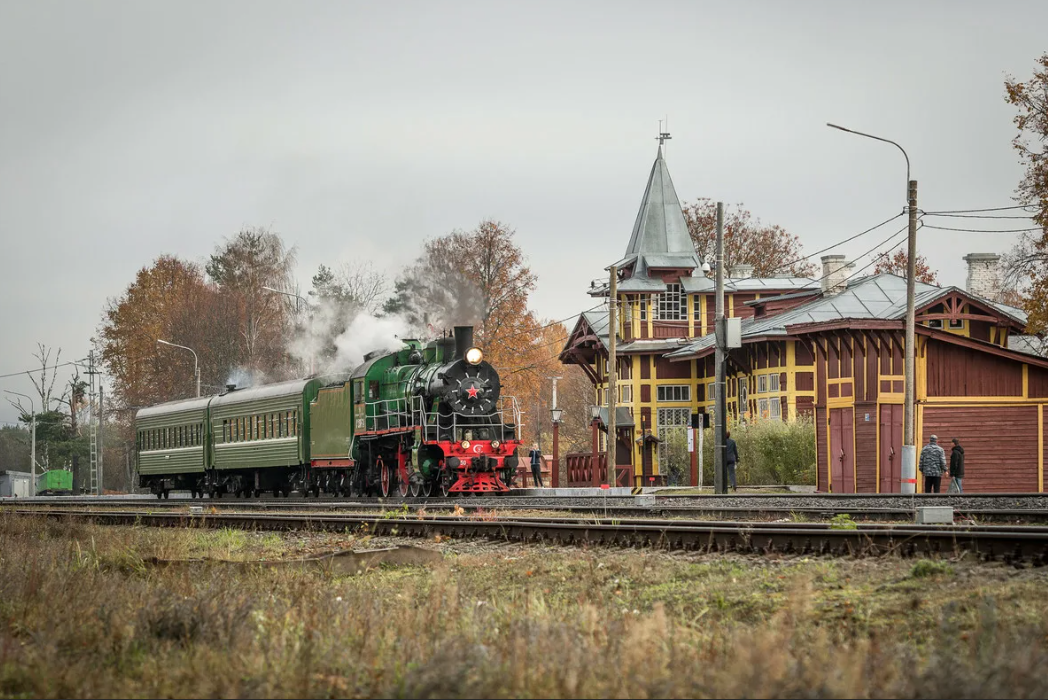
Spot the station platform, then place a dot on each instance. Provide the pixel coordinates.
(581, 492)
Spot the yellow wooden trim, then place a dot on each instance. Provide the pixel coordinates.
(960, 400)
(1026, 381)
(918, 438)
(999, 404)
(791, 379)
(690, 303)
(1040, 448)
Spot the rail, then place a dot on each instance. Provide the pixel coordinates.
(1014, 546)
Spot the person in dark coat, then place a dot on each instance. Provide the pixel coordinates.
(956, 467)
(932, 464)
(731, 459)
(536, 465)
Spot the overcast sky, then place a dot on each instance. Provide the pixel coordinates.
(359, 129)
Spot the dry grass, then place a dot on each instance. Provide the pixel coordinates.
(83, 614)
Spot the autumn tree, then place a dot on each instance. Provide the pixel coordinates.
(242, 268)
(57, 442)
(338, 295)
(169, 300)
(1028, 262)
(769, 248)
(896, 265)
(477, 278)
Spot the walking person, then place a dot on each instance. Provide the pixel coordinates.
(932, 465)
(731, 459)
(536, 465)
(956, 467)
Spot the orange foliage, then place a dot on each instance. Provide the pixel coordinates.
(770, 249)
(896, 265)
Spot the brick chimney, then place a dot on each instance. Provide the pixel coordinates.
(984, 277)
(835, 272)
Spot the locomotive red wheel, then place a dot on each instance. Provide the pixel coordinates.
(402, 485)
(384, 480)
(427, 488)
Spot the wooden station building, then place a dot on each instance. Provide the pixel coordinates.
(829, 348)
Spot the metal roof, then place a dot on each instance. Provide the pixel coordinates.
(623, 418)
(879, 297)
(295, 386)
(660, 225)
(1028, 345)
(197, 403)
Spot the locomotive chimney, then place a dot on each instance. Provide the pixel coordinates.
(463, 341)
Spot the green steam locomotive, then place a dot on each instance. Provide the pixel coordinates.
(427, 418)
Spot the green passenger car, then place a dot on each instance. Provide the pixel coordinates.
(54, 482)
(260, 436)
(173, 449)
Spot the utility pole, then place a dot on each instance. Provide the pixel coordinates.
(612, 374)
(101, 437)
(721, 405)
(909, 445)
(93, 427)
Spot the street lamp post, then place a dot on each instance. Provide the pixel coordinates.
(909, 447)
(196, 364)
(306, 302)
(32, 449)
(555, 414)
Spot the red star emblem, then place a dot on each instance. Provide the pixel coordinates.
(472, 392)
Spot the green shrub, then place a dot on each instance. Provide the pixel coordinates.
(770, 452)
(930, 567)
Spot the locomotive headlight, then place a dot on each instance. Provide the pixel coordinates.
(495, 444)
(474, 356)
(465, 444)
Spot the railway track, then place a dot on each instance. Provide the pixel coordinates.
(1006, 543)
(618, 508)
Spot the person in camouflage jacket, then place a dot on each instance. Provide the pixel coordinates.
(932, 465)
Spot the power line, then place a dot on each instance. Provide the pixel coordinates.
(979, 216)
(871, 250)
(984, 230)
(36, 369)
(820, 252)
(971, 211)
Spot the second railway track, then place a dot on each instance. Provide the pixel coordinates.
(1027, 545)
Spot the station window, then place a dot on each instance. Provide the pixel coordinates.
(762, 408)
(643, 298)
(956, 323)
(776, 408)
(676, 392)
(626, 393)
(670, 307)
(773, 382)
(935, 323)
(762, 384)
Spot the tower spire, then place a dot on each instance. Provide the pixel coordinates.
(663, 135)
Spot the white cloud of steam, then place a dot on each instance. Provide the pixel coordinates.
(364, 334)
(244, 377)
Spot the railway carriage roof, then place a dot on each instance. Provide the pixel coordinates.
(194, 404)
(266, 391)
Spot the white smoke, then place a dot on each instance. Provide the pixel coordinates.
(244, 377)
(364, 334)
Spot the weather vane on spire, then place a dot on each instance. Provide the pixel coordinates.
(663, 135)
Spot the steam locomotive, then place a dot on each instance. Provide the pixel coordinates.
(427, 418)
